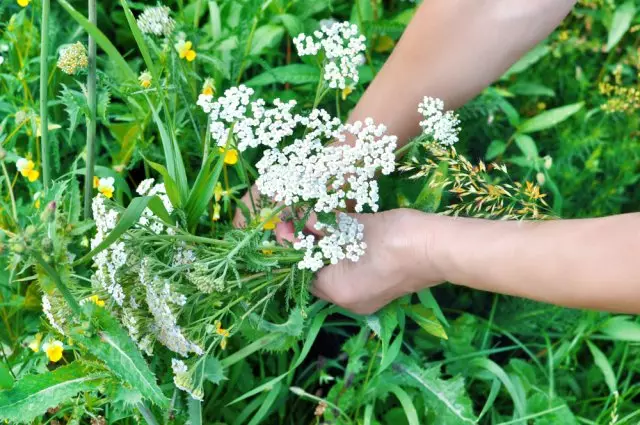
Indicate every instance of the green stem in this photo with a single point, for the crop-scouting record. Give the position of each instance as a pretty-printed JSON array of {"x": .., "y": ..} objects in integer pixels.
[
  {"x": 91, "y": 121},
  {"x": 44, "y": 125},
  {"x": 10, "y": 189}
]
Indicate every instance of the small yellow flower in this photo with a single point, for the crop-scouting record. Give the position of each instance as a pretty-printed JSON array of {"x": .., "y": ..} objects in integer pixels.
[
  {"x": 218, "y": 192},
  {"x": 230, "y": 156},
  {"x": 145, "y": 79},
  {"x": 26, "y": 167},
  {"x": 222, "y": 332},
  {"x": 35, "y": 344},
  {"x": 208, "y": 87},
  {"x": 223, "y": 343},
  {"x": 269, "y": 219},
  {"x": 185, "y": 50},
  {"x": 24, "y": 3},
  {"x": 346, "y": 92},
  {"x": 96, "y": 182},
  {"x": 216, "y": 213},
  {"x": 36, "y": 199},
  {"x": 541, "y": 106},
  {"x": 105, "y": 186},
  {"x": 267, "y": 247},
  {"x": 96, "y": 300},
  {"x": 54, "y": 350},
  {"x": 564, "y": 35}
]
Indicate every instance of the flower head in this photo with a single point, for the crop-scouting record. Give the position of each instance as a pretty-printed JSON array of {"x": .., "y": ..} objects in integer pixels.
[
  {"x": 73, "y": 57},
  {"x": 268, "y": 219},
  {"x": 36, "y": 199},
  {"x": 145, "y": 79},
  {"x": 208, "y": 88},
  {"x": 106, "y": 186},
  {"x": 342, "y": 45},
  {"x": 230, "y": 155},
  {"x": 23, "y": 3},
  {"x": 267, "y": 247},
  {"x": 216, "y": 212},
  {"x": 53, "y": 350},
  {"x": 96, "y": 300},
  {"x": 156, "y": 20},
  {"x": 442, "y": 126},
  {"x": 34, "y": 345},
  {"x": 26, "y": 167},
  {"x": 185, "y": 50}
]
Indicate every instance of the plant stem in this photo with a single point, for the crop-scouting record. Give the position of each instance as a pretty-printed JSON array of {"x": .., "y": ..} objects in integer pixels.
[
  {"x": 91, "y": 122},
  {"x": 10, "y": 190},
  {"x": 44, "y": 124},
  {"x": 147, "y": 414}
]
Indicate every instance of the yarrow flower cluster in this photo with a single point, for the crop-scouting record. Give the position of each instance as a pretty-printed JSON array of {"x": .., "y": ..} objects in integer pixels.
[
  {"x": 442, "y": 126},
  {"x": 343, "y": 48},
  {"x": 345, "y": 241},
  {"x": 308, "y": 169},
  {"x": 48, "y": 312},
  {"x": 156, "y": 21},
  {"x": 183, "y": 379},
  {"x": 73, "y": 57}
]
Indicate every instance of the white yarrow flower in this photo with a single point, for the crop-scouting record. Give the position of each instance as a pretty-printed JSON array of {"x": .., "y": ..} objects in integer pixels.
[
  {"x": 156, "y": 20},
  {"x": 444, "y": 127}
]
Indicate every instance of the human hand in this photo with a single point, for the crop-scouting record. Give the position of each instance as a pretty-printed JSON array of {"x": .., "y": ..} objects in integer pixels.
[{"x": 399, "y": 260}]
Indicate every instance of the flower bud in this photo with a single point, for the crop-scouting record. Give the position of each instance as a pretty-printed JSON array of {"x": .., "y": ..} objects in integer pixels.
[
  {"x": 49, "y": 212},
  {"x": 30, "y": 230}
]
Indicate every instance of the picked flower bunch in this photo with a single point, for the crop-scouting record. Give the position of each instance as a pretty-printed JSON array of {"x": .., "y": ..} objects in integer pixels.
[{"x": 160, "y": 280}]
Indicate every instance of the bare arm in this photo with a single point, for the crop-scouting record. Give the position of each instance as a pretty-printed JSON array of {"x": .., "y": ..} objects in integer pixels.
[
  {"x": 452, "y": 49},
  {"x": 588, "y": 263}
]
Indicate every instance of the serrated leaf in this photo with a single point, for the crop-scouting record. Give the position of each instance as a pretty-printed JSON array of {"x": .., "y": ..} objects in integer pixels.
[
  {"x": 621, "y": 23},
  {"x": 213, "y": 370},
  {"x": 114, "y": 347},
  {"x": 427, "y": 320},
  {"x": 550, "y": 118},
  {"x": 34, "y": 394},
  {"x": 297, "y": 73}
]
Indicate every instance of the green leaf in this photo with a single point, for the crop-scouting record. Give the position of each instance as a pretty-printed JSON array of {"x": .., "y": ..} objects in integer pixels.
[
  {"x": 215, "y": 25},
  {"x": 447, "y": 398},
  {"x": 127, "y": 220},
  {"x": 605, "y": 367},
  {"x": 34, "y": 394},
  {"x": 172, "y": 154},
  {"x": 621, "y": 328},
  {"x": 621, "y": 23},
  {"x": 527, "y": 146},
  {"x": 113, "y": 346},
  {"x": 292, "y": 23},
  {"x": 265, "y": 38},
  {"x": 137, "y": 35},
  {"x": 101, "y": 40},
  {"x": 550, "y": 118},
  {"x": 213, "y": 370},
  {"x": 528, "y": 60},
  {"x": 407, "y": 404},
  {"x": 195, "y": 411},
  {"x": 532, "y": 89},
  {"x": 428, "y": 300},
  {"x": 203, "y": 189},
  {"x": 427, "y": 320},
  {"x": 266, "y": 405},
  {"x": 297, "y": 73},
  {"x": 169, "y": 184},
  {"x": 495, "y": 149},
  {"x": 6, "y": 379},
  {"x": 430, "y": 196},
  {"x": 496, "y": 371}
]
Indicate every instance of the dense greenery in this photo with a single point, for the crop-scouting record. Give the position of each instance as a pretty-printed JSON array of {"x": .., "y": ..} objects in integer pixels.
[{"x": 565, "y": 117}]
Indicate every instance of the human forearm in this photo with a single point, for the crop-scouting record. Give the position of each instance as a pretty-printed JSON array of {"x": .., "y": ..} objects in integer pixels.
[
  {"x": 452, "y": 49},
  {"x": 590, "y": 263}
]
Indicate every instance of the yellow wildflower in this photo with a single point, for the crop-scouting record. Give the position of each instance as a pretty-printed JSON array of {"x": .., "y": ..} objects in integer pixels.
[
  {"x": 26, "y": 167},
  {"x": 216, "y": 213},
  {"x": 269, "y": 219},
  {"x": 96, "y": 182},
  {"x": 267, "y": 247},
  {"x": 564, "y": 35},
  {"x": 222, "y": 332},
  {"x": 36, "y": 199},
  {"x": 541, "y": 106},
  {"x": 54, "y": 350},
  {"x": 185, "y": 50},
  {"x": 346, "y": 92},
  {"x": 35, "y": 344},
  {"x": 96, "y": 300},
  {"x": 208, "y": 87},
  {"x": 105, "y": 186},
  {"x": 230, "y": 156},
  {"x": 145, "y": 79},
  {"x": 24, "y": 3},
  {"x": 218, "y": 192}
]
